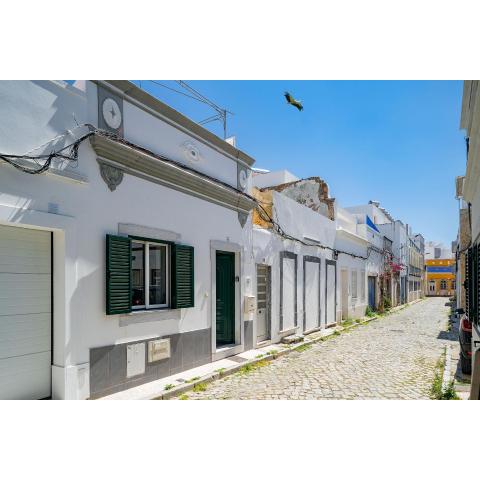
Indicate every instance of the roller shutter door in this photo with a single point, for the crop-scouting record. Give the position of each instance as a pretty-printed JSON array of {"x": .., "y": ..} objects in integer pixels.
[{"x": 25, "y": 313}]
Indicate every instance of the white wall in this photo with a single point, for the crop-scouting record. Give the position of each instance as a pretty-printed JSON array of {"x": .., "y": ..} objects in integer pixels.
[
  {"x": 162, "y": 138},
  {"x": 430, "y": 247},
  {"x": 270, "y": 179},
  {"x": 375, "y": 214},
  {"x": 32, "y": 113},
  {"x": 355, "y": 246},
  {"x": 296, "y": 220}
]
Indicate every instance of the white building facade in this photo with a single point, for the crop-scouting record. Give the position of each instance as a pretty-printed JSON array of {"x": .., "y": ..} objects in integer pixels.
[
  {"x": 470, "y": 193},
  {"x": 295, "y": 282},
  {"x": 127, "y": 265}
]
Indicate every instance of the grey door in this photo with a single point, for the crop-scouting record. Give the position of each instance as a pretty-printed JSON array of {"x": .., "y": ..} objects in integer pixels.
[
  {"x": 311, "y": 293},
  {"x": 371, "y": 292},
  {"x": 330, "y": 292},
  {"x": 344, "y": 286},
  {"x": 263, "y": 303}
]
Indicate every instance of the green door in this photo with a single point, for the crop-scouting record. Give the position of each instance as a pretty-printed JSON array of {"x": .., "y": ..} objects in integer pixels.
[{"x": 225, "y": 299}]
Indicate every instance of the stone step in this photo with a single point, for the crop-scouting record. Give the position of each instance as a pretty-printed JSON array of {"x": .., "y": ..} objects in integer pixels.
[{"x": 292, "y": 339}]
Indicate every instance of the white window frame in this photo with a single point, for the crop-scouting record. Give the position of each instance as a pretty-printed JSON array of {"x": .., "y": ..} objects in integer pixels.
[{"x": 146, "y": 279}]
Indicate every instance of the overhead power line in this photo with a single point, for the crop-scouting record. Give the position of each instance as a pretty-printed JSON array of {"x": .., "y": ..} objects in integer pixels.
[
  {"x": 70, "y": 153},
  {"x": 221, "y": 113}
]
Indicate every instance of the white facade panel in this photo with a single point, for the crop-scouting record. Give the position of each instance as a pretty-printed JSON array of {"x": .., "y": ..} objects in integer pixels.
[
  {"x": 312, "y": 293},
  {"x": 31, "y": 114},
  {"x": 289, "y": 290},
  {"x": 330, "y": 292}
]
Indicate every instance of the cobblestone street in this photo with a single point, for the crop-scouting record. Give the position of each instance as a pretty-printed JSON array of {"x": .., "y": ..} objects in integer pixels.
[{"x": 392, "y": 357}]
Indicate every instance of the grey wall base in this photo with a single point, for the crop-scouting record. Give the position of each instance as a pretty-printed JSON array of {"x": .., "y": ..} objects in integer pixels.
[{"x": 108, "y": 365}]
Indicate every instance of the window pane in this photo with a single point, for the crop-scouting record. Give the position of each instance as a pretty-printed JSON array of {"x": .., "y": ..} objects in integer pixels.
[
  {"x": 138, "y": 275},
  {"x": 157, "y": 274}
]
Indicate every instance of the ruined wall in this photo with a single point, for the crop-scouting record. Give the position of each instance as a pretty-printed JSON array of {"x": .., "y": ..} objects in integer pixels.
[
  {"x": 259, "y": 218},
  {"x": 311, "y": 192}
]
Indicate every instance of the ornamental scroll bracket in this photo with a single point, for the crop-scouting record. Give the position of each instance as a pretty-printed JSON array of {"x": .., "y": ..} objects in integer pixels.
[{"x": 112, "y": 176}]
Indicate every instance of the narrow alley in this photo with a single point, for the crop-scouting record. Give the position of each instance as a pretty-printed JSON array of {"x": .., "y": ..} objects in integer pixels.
[{"x": 392, "y": 357}]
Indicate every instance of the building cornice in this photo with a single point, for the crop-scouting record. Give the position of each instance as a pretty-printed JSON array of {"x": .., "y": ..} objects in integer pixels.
[
  {"x": 144, "y": 164},
  {"x": 139, "y": 97}
]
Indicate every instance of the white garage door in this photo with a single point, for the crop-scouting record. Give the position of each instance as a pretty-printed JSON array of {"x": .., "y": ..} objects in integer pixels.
[{"x": 25, "y": 313}]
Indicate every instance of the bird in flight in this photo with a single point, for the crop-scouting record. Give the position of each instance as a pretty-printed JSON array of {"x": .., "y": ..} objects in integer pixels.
[{"x": 292, "y": 101}]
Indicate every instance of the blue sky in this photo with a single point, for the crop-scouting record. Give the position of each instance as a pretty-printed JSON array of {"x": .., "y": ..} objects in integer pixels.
[{"x": 394, "y": 141}]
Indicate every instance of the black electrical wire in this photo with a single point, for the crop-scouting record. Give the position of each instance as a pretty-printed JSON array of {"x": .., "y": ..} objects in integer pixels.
[
  {"x": 72, "y": 156},
  {"x": 279, "y": 230}
]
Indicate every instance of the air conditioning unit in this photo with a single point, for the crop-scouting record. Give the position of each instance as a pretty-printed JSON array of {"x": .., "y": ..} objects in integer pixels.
[{"x": 158, "y": 350}]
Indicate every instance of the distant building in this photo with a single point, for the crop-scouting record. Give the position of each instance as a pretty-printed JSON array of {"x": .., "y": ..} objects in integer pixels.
[
  {"x": 437, "y": 250},
  {"x": 440, "y": 277},
  {"x": 415, "y": 266}
]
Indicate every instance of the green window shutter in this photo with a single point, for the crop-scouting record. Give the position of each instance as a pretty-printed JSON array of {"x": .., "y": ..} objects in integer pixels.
[
  {"x": 119, "y": 278},
  {"x": 182, "y": 276}
]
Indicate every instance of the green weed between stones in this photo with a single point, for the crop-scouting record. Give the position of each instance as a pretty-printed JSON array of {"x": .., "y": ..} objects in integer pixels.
[
  {"x": 250, "y": 367},
  {"x": 437, "y": 392},
  {"x": 303, "y": 347},
  {"x": 200, "y": 387},
  {"x": 169, "y": 386},
  {"x": 348, "y": 322},
  {"x": 183, "y": 397},
  {"x": 193, "y": 379}
]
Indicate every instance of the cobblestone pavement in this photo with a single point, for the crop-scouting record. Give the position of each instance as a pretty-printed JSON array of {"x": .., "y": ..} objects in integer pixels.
[{"x": 392, "y": 357}]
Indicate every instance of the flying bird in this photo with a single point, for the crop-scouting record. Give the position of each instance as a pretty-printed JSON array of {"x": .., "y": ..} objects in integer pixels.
[{"x": 292, "y": 101}]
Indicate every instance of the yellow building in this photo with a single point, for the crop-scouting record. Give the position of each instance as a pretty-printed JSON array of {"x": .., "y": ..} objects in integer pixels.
[{"x": 440, "y": 277}]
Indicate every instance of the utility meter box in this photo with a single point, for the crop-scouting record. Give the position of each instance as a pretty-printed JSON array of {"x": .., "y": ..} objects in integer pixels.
[
  {"x": 135, "y": 359},
  {"x": 158, "y": 350},
  {"x": 249, "y": 304}
]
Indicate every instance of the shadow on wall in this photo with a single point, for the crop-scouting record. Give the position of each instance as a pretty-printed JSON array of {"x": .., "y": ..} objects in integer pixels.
[{"x": 69, "y": 109}]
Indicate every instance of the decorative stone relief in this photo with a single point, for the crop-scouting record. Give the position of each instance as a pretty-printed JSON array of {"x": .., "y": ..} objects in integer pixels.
[
  {"x": 191, "y": 152},
  {"x": 112, "y": 176},
  {"x": 242, "y": 218}
]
